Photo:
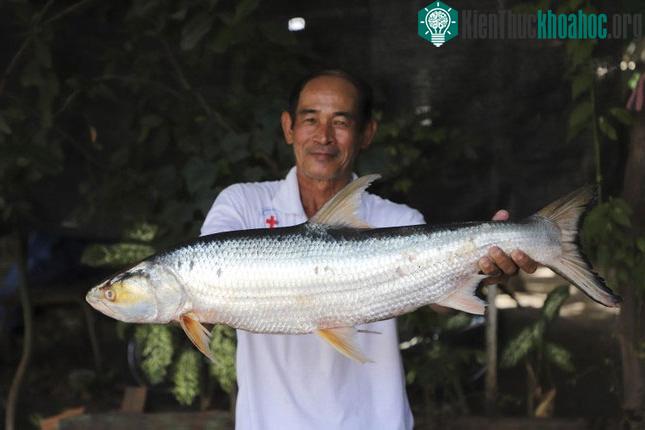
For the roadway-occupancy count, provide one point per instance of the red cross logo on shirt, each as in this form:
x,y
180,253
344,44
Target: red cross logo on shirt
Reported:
x,y
271,221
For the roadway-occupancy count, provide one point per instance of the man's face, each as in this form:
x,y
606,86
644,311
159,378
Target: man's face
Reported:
x,y
326,132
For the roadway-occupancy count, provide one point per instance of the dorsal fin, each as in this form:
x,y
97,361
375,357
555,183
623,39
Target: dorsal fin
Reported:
x,y
342,209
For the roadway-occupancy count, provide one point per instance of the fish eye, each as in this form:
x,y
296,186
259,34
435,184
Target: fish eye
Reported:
x,y
109,294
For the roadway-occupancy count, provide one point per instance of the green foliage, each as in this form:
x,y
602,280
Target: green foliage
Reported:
x,y
523,343
531,348
186,376
162,354
553,303
532,338
405,149
152,126
117,255
558,356
433,363
223,345
587,114
613,244
157,350
153,109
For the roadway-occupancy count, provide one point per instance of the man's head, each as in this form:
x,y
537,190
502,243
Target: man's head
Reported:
x,y
328,122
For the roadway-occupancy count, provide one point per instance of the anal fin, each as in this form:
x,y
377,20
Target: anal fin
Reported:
x,y
197,333
464,298
343,339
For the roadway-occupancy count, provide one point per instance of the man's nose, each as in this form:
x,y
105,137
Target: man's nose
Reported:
x,y
324,133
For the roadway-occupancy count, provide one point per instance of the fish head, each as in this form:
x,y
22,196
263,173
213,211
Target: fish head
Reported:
x,y
146,293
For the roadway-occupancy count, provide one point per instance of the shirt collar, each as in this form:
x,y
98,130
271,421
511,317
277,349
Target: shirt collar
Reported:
x,y
287,199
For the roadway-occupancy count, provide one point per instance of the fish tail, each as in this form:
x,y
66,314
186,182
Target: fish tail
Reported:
x,y
572,264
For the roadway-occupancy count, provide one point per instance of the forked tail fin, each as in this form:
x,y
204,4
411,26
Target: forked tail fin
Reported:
x,y
572,264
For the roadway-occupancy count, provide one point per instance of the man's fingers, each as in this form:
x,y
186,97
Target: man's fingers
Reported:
x,y
487,267
501,279
503,261
524,262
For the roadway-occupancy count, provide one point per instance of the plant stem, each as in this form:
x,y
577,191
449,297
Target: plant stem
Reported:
x,y
12,398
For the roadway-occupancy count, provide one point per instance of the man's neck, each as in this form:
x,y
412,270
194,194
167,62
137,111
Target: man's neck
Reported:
x,y
315,193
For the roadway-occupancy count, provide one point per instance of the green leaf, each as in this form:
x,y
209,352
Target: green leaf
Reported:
x,y
633,80
554,301
606,128
622,115
155,343
580,52
580,114
223,346
457,322
143,232
580,84
640,244
558,356
518,347
117,255
148,123
621,216
186,377
195,30
579,118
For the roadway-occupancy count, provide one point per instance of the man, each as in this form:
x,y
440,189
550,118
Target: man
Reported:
x,y
299,382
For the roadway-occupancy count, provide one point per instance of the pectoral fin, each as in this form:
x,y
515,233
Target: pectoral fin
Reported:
x,y
464,298
197,333
345,342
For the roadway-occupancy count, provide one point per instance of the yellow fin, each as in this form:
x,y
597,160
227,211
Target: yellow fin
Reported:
x,y
344,340
197,333
342,209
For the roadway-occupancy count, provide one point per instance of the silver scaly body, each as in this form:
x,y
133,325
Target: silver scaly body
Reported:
x,y
299,279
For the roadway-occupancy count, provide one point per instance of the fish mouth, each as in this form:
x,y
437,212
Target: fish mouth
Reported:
x,y
93,298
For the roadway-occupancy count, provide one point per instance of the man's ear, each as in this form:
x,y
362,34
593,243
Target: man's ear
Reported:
x,y
368,133
287,127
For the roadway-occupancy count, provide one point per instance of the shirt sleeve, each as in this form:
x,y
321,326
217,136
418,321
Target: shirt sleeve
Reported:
x,y
225,214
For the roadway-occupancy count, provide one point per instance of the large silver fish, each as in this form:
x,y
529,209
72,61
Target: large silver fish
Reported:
x,y
334,272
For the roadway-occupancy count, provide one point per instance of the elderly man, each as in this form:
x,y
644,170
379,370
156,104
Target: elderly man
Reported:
x,y
299,382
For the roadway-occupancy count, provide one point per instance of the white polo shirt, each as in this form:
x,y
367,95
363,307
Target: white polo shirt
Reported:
x,y
300,382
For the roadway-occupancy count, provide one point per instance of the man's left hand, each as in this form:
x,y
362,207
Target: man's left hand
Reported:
x,y
498,265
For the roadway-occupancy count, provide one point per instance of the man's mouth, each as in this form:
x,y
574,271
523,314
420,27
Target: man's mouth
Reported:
x,y
323,154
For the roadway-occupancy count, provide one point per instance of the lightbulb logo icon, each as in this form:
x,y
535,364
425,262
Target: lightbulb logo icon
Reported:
x,y
437,23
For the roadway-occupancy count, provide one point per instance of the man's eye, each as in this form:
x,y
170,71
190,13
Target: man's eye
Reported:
x,y
341,123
